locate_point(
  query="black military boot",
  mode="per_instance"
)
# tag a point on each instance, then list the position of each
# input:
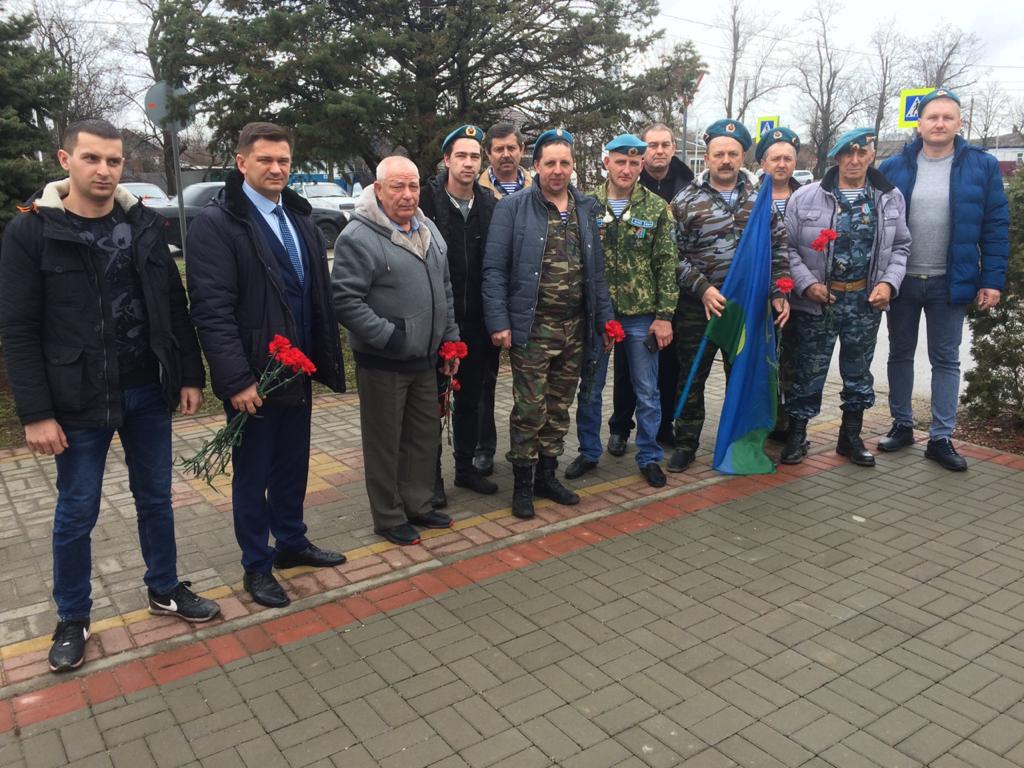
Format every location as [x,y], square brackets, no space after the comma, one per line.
[467,476]
[546,485]
[850,444]
[522,491]
[780,434]
[796,442]
[438,500]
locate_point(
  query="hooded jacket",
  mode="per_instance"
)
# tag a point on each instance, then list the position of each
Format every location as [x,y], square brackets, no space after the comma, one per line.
[676,180]
[466,240]
[392,291]
[979,216]
[239,301]
[56,320]
[813,208]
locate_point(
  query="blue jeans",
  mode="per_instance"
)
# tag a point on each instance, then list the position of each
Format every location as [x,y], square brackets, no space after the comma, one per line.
[643,372]
[944,323]
[146,437]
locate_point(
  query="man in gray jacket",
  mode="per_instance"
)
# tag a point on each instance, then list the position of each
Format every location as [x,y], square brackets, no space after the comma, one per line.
[393,294]
[848,246]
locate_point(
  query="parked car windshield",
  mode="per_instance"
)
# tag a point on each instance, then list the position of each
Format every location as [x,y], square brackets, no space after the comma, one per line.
[322,190]
[146,192]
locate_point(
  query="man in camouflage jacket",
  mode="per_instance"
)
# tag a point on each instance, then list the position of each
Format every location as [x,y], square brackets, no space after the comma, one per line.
[636,229]
[710,216]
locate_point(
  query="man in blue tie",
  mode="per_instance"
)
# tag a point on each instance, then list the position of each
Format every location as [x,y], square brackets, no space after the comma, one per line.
[257,267]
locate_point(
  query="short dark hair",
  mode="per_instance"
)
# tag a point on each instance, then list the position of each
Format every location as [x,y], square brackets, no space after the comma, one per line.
[93,126]
[253,132]
[539,153]
[500,131]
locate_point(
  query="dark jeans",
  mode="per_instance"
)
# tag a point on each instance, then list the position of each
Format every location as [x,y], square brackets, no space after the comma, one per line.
[268,487]
[472,377]
[487,432]
[624,397]
[145,434]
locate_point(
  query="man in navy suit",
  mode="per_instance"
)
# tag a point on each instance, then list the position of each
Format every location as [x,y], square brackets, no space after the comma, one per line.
[257,267]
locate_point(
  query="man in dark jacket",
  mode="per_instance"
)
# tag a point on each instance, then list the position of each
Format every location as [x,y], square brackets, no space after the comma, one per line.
[958,217]
[393,294]
[462,210]
[97,339]
[546,301]
[257,267]
[666,176]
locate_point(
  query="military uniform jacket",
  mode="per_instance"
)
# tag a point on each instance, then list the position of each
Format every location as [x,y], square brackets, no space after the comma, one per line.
[813,208]
[639,254]
[708,231]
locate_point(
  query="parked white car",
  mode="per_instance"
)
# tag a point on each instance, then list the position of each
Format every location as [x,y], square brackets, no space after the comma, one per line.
[325,194]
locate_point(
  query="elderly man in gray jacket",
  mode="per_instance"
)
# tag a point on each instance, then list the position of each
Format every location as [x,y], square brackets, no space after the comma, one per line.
[393,294]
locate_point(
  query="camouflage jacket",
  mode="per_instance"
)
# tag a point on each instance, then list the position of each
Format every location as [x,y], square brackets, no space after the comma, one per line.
[708,231]
[639,254]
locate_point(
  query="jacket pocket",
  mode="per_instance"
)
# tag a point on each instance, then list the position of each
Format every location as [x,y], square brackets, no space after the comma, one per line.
[416,342]
[64,374]
[66,283]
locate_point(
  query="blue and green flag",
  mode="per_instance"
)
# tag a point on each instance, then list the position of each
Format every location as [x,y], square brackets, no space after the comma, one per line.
[746,335]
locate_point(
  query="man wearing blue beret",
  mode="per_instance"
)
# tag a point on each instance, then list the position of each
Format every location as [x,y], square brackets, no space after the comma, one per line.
[546,301]
[461,208]
[958,216]
[711,214]
[848,245]
[639,259]
[776,153]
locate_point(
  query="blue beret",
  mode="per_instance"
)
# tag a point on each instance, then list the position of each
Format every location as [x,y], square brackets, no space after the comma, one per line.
[853,139]
[626,144]
[938,93]
[734,129]
[462,132]
[553,134]
[774,137]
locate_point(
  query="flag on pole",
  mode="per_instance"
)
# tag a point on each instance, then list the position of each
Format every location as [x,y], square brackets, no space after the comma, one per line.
[746,335]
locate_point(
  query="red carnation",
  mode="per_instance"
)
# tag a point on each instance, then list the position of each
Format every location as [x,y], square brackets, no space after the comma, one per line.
[784,284]
[614,330]
[279,344]
[453,350]
[456,386]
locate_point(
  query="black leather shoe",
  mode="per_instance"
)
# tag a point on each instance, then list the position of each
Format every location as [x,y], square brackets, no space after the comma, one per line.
[546,485]
[484,464]
[900,436]
[850,443]
[404,535]
[580,466]
[265,590]
[653,475]
[680,459]
[617,444]
[432,519]
[942,451]
[471,478]
[68,649]
[522,491]
[796,447]
[311,555]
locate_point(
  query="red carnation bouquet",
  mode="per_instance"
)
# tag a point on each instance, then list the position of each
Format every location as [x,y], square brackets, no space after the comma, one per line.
[826,236]
[450,350]
[285,363]
[614,330]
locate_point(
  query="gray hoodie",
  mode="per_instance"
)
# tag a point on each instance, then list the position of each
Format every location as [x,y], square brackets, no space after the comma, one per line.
[391,290]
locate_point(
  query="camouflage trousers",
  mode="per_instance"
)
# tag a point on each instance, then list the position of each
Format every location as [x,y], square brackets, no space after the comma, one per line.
[545,374]
[854,323]
[687,331]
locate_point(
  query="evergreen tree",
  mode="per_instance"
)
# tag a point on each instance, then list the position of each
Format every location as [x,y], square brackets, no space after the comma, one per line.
[30,86]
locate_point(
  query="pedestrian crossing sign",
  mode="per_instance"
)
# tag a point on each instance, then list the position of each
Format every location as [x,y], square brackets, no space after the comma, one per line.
[910,100]
[766,125]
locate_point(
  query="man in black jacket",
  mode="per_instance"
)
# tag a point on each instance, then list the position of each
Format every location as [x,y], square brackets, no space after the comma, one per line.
[461,209]
[257,267]
[666,176]
[97,339]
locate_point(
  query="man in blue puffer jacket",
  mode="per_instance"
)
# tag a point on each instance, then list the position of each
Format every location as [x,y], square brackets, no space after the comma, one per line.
[959,222]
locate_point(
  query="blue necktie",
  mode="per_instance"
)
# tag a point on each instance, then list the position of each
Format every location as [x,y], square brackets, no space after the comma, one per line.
[289,242]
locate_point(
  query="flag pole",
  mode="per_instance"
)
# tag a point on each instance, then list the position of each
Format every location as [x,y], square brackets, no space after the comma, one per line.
[690,378]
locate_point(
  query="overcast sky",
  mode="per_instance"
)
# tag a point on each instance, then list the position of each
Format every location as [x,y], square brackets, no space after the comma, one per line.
[1000,27]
